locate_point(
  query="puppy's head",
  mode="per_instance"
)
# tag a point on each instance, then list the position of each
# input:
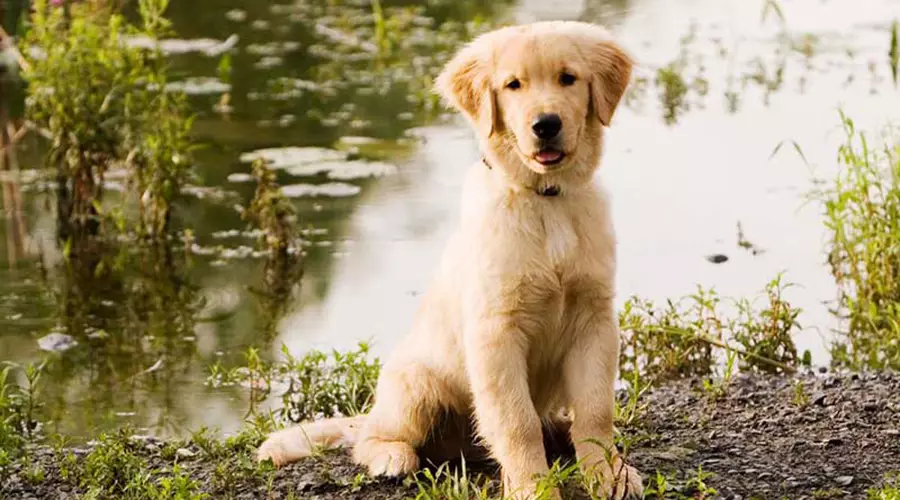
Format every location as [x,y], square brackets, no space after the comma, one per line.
[539,94]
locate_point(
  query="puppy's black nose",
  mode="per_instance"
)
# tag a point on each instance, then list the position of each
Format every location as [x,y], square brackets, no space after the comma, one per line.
[547,126]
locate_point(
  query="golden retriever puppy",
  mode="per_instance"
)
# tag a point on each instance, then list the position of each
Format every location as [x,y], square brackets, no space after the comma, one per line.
[519,321]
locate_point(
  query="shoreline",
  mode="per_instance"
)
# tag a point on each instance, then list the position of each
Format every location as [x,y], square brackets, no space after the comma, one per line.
[806,436]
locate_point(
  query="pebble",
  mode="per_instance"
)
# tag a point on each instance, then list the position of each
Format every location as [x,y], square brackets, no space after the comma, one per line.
[184,453]
[819,399]
[844,480]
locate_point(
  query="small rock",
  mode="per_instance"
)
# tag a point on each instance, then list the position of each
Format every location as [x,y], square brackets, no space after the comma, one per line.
[819,399]
[717,258]
[844,480]
[184,453]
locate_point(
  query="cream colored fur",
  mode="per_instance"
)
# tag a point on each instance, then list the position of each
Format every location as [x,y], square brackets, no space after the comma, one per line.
[519,321]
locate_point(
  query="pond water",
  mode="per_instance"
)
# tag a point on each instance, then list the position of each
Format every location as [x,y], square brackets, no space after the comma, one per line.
[376,171]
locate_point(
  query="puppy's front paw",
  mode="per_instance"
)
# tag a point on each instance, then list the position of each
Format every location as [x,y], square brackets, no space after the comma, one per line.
[386,458]
[615,479]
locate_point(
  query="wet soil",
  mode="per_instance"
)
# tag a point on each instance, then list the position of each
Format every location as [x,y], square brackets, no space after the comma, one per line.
[836,437]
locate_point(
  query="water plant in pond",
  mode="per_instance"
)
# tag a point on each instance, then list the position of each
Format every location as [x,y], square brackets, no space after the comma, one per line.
[275,218]
[102,103]
[862,215]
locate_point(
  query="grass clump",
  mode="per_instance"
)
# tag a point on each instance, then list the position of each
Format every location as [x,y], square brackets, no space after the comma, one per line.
[862,213]
[447,484]
[18,409]
[670,487]
[317,385]
[691,337]
[890,490]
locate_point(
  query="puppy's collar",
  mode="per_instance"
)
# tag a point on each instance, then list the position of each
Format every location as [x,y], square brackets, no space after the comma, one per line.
[548,191]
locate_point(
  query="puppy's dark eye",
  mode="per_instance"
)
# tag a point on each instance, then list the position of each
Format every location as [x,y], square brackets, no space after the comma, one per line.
[513,85]
[567,79]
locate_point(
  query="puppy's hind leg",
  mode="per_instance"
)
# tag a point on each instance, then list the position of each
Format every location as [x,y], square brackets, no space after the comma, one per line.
[301,441]
[407,402]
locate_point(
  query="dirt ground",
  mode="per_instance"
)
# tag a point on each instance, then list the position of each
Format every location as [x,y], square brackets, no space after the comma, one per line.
[763,438]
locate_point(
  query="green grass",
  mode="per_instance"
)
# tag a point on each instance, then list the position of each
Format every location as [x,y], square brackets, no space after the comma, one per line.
[670,486]
[446,484]
[862,214]
[318,384]
[890,490]
[693,336]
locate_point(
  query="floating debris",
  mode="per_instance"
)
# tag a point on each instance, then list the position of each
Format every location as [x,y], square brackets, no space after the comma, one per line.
[199,86]
[282,158]
[56,342]
[344,170]
[236,15]
[206,46]
[239,177]
[268,62]
[272,48]
[329,189]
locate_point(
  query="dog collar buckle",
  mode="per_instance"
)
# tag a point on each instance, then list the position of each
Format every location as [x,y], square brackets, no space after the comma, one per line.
[548,191]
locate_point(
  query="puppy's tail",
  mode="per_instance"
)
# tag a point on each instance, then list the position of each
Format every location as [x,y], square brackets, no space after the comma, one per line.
[294,443]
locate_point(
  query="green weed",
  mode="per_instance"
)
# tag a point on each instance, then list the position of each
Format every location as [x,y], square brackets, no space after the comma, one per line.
[316,385]
[670,487]
[801,398]
[890,490]
[862,213]
[689,337]
[446,484]
[894,50]
[19,405]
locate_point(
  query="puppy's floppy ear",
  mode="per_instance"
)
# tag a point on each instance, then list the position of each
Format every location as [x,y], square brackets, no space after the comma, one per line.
[611,70]
[465,84]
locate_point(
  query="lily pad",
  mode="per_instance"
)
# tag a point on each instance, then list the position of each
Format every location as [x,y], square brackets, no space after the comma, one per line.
[282,158]
[344,170]
[329,189]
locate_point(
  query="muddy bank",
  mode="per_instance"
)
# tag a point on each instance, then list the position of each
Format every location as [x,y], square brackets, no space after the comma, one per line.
[813,436]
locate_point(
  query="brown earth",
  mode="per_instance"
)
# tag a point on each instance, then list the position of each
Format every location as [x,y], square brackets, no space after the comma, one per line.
[835,438]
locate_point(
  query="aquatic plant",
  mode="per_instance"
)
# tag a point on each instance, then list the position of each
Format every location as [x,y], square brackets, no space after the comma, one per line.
[101,102]
[862,214]
[272,215]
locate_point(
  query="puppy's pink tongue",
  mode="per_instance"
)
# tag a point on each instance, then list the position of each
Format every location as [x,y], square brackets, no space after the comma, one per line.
[548,156]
